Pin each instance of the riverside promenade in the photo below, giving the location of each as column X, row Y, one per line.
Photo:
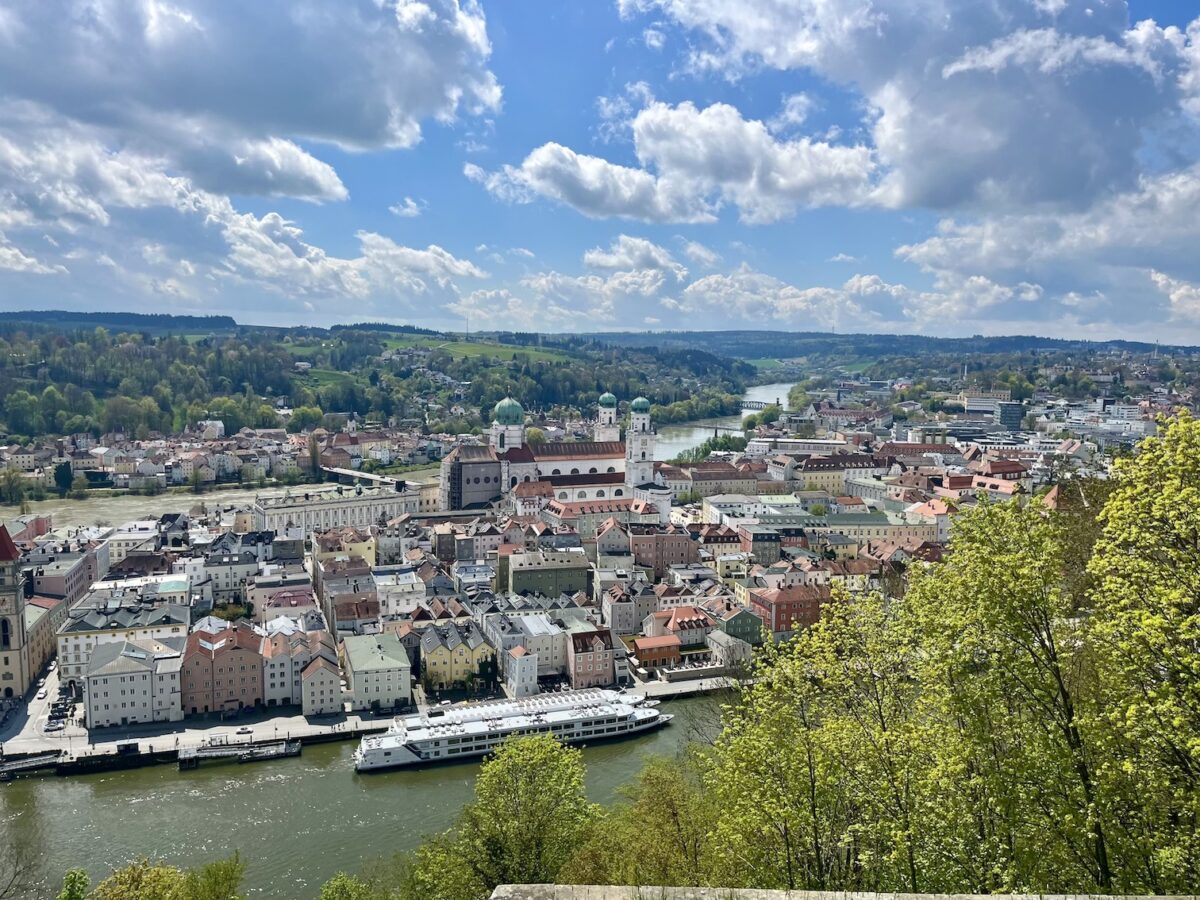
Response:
column 80, row 750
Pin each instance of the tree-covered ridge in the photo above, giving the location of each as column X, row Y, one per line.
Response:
column 58, row 382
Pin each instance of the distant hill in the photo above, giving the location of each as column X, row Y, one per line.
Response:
column 159, row 323
column 796, row 344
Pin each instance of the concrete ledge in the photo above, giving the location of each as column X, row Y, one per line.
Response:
column 601, row 892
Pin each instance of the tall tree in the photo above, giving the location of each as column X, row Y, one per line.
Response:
column 1147, row 619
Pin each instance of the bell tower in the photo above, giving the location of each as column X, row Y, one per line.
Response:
column 14, row 650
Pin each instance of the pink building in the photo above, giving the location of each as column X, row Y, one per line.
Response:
column 222, row 672
column 591, row 660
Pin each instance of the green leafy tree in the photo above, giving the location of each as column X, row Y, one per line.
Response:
column 1146, row 620
column 63, row 476
column 535, row 435
column 1006, row 682
column 13, row 486
column 528, row 816
column 347, row 887
column 75, row 885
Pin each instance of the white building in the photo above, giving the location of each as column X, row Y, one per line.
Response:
column 521, row 679
column 333, row 508
column 378, row 671
column 400, row 590
column 287, row 652
column 103, row 617
column 134, row 682
column 322, row 688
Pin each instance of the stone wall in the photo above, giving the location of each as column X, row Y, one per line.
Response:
column 593, row 892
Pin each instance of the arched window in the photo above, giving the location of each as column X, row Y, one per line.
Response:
column 555, row 472
column 513, row 481
column 611, row 470
column 526, row 478
column 562, row 495
column 5, row 634
column 643, row 454
column 574, row 471
column 618, row 493
column 599, row 495
column 502, row 440
column 592, row 470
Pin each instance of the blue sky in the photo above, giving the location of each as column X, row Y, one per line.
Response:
column 938, row 166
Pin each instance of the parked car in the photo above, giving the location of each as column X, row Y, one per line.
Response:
column 245, row 729
column 54, row 726
column 41, row 695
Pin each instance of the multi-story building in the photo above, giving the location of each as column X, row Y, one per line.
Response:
column 222, row 672
column 590, row 659
column 228, row 573
column 16, row 669
column 134, row 682
column 455, row 655
column 105, row 615
column 548, row 572
column 378, row 671
column 319, row 510
column 783, row 609
column 521, row 678
column 322, row 689
column 286, row 653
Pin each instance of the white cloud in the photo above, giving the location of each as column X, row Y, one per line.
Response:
column 593, row 186
column 793, row 112
column 693, row 160
column 523, row 252
column 1184, row 296
column 13, row 259
column 654, row 39
column 989, row 107
column 408, row 208
column 700, row 254
column 843, row 257
column 633, row 253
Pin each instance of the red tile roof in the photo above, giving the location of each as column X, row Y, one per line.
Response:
column 8, row 550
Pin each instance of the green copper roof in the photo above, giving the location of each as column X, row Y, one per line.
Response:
column 608, row 401
column 640, row 405
column 508, row 412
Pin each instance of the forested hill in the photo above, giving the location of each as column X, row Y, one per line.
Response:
column 796, row 344
column 61, row 319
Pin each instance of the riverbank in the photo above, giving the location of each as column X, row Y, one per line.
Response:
column 296, row 821
column 76, row 751
column 672, row 440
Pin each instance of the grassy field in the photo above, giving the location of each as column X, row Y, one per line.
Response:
column 319, row 377
column 765, row 363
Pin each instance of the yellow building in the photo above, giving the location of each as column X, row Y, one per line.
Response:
column 455, row 655
column 358, row 542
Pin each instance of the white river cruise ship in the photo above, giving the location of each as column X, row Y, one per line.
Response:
column 474, row 729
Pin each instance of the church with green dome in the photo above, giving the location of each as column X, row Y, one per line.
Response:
column 509, row 471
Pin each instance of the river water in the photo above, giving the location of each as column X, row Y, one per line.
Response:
column 295, row 822
column 674, row 439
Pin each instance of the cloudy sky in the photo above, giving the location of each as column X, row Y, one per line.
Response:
column 941, row 166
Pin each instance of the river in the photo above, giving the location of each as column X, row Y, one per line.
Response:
column 295, row 822
column 674, row 439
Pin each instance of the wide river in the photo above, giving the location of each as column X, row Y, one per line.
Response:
column 674, row 439
column 295, row 822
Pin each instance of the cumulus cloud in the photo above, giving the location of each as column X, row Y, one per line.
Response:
column 1002, row 104
column 692, row 161
column 633, row 253
column 125, row 128
column 408, row 208
column 701, row 255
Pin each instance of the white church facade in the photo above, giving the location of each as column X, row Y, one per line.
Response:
column 604, row 468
